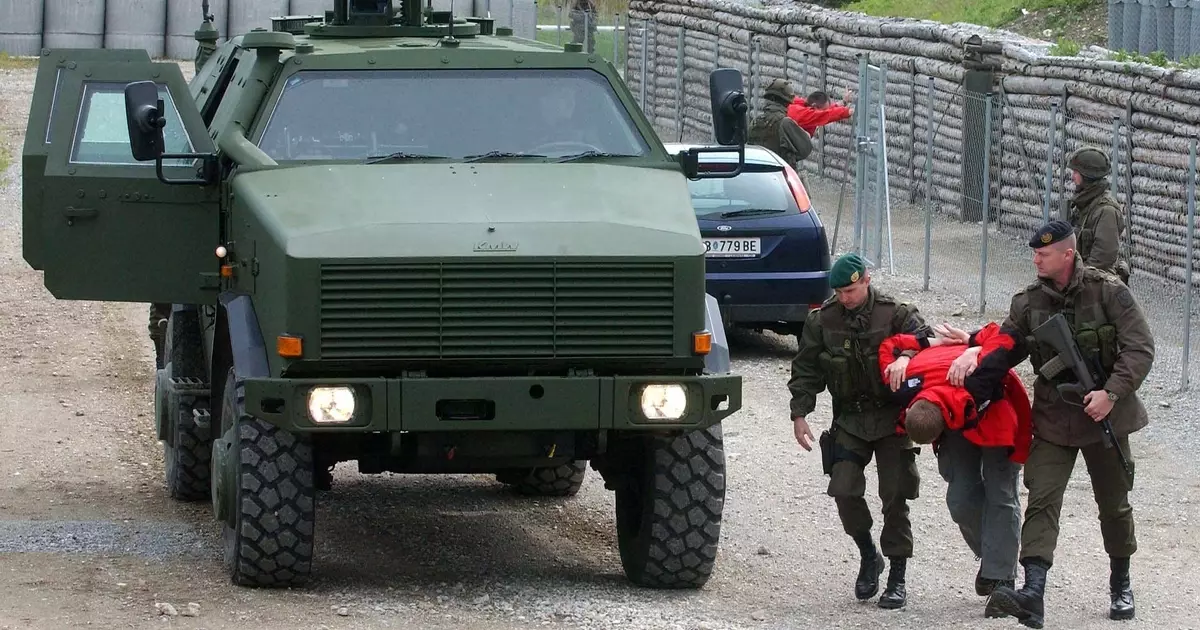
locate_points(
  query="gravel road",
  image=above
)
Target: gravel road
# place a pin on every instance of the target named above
(88, 537)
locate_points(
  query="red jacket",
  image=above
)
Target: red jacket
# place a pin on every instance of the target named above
(809, 118)
(1006, 421)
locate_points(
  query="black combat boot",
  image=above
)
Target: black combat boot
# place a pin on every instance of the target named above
(869, 569)
(894, 595)
(1026, 604)
(1120, 590)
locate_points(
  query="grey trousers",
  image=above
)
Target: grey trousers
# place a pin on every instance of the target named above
(984, 502)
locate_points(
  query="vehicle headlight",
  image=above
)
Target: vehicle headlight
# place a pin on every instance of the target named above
(331, 405)
(664, 402)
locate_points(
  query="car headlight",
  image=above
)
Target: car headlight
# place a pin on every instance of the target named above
(664, 402)
(331, 405)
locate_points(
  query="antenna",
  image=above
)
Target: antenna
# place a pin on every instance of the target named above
(449, 40)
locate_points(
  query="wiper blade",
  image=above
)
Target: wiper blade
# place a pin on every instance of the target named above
(490, 155)
(401, 155)
(592, 154)
(751, 211)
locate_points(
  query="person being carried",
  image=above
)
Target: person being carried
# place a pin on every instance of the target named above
(981, 431)
(817, 110)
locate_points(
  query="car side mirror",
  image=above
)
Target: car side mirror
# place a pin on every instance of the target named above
(145, 118)
(730, 124)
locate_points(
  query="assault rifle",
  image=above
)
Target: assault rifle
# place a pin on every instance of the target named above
(1057, 334)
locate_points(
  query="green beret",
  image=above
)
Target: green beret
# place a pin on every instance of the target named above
(1051, 233)
(847, 270)
(1090, 162)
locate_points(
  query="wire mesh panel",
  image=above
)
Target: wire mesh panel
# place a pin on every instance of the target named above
(870, 182)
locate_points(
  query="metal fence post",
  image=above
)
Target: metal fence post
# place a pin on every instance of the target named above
(860, 158)
(616, 37)
(986, 210)
(645, 46)
(882, 206)
(1050, 162)
(679, 84)
(1191, 240)
(929, 180)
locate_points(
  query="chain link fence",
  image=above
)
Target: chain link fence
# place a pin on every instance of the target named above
(941, 183)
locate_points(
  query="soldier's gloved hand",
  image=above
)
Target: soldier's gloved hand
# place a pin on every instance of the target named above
(895, 373)
(803, 434)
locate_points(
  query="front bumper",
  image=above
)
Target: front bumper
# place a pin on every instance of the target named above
(494, 404)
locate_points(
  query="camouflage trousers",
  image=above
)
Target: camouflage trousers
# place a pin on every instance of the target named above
(158, 330)
(1047, 471)
(583, 26)
(899, 481)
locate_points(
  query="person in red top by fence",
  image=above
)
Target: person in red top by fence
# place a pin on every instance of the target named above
(981, 432)
(817, 110)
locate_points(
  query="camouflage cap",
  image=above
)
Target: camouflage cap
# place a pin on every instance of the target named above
(1090, 162)
(781, 88)
(847, 270)
(1051, 233)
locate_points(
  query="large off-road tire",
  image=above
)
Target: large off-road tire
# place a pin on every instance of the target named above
(560, 481)
(270, 503)
(669, 509)
(187, 445)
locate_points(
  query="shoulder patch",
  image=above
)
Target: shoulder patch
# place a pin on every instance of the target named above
(1124, 297)
(883, 298)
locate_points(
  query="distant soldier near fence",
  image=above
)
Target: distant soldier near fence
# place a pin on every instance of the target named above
(584, 17)
(774, 130)
(1095, 213)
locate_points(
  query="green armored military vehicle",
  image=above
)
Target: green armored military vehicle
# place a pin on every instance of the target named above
(396, 237)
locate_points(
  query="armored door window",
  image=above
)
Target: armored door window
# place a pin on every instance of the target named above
(102, 134)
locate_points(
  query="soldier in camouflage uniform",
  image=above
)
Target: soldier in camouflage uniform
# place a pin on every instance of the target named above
(584, 17)
(1107, 324)
(774, 130)
(1095, 214)
(839, 350)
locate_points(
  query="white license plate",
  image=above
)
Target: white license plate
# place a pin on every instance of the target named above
(748, 247)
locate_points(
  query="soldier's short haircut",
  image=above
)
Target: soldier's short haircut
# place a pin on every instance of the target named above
(923, 422)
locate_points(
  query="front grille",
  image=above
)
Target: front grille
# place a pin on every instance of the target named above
(497, 309)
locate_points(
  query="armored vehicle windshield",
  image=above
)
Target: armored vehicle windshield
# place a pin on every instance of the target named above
(449, 113)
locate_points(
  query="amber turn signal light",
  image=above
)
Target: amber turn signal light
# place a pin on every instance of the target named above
(702, 342)
(289, 347)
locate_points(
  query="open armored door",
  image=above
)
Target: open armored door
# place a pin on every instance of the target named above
(110, 229)
(38, 137)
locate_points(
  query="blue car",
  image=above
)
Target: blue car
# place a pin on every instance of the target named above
(768, 255)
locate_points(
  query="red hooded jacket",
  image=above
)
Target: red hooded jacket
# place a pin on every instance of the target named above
(1006, 421)
(809, 118)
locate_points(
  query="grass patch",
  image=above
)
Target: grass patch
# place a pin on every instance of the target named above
(991, 13)
(1157, 58)
(1065, 47)
(8, 62)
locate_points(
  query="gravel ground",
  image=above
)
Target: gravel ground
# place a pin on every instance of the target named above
(89, 538)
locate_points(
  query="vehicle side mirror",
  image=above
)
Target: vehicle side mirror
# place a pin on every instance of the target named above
(729, 106)
(730, 125)
(145, 118)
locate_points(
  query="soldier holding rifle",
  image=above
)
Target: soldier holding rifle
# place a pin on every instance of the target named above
(1085, 402)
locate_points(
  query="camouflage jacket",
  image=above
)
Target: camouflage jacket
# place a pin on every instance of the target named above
(1109, 325)
(1099, 223)
(773, 130)
(839, 351)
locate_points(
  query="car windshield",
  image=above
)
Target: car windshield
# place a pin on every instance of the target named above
(361, 114)
(752, 193)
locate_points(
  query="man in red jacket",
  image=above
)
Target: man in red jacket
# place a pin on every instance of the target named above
(817, 110)
(981, 432)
